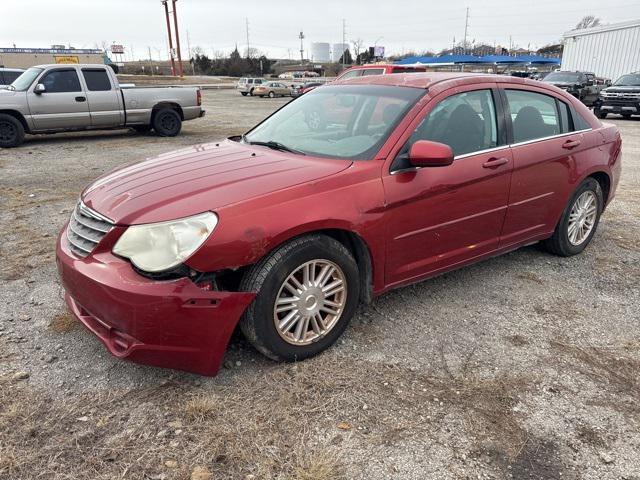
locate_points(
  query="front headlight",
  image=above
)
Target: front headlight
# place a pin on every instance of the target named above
(156, 247)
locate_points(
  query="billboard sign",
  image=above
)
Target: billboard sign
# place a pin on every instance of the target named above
(66, 59)
(117, 49)
(378, 51)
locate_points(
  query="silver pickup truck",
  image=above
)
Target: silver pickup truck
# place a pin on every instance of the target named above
(57, 98)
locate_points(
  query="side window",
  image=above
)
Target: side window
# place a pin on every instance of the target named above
(351, 74)
(579, 121)
(372, 71)
(565, 124)
(59, 81)
(533, 115)
(97, 80)
(465, 121)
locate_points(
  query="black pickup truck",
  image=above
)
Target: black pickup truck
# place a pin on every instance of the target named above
(581, 85)
(622, 97)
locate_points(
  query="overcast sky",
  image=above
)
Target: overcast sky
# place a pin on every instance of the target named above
(274, 25)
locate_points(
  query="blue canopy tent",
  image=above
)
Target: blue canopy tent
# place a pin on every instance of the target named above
(475, 60)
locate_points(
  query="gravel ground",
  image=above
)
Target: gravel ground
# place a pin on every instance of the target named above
(523, 366)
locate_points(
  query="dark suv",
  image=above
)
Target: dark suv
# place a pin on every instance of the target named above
(622, 97)
(581, 85)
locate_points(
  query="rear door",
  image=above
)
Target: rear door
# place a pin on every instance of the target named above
(442, 217)
(545, 146)
(64, 103)
(105, 106)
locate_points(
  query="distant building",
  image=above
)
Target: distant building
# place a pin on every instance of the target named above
(337, 50)
(608, 50)
(320, 52)
(28, 57)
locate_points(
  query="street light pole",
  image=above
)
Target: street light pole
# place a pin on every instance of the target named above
(166, 12)
(175, 23)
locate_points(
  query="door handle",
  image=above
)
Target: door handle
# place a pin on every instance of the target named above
(81, 99)
(495, 162)
(569, 144)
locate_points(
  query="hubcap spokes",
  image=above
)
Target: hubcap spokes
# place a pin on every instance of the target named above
(582, 218)
(310, 302)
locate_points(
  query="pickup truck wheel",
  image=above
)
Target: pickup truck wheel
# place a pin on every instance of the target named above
(579, 220)
(167, 122)
(11, 131)
(600, 114)
(308, 290)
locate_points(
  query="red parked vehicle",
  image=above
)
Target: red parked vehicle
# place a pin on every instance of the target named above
(377, 69)
(286, 229)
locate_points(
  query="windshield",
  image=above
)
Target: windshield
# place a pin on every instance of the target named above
(25, 80)
(346, 121)
(562, 77)
(629, 80)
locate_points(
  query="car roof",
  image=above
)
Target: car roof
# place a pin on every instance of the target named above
(427, 79)
(11, 69)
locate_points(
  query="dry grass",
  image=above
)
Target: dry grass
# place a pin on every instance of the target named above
(612, 367)
(63, 323)
(287, 423)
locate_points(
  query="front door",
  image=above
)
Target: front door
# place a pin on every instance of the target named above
(104, 99)
(441, 217)
(62, 105)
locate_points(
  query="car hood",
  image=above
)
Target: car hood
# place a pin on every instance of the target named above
(200, 178)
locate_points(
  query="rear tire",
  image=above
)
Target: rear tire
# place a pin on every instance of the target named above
(244, 94)
(579, 220)
(11, 131)
(300, 262)
(167, 122)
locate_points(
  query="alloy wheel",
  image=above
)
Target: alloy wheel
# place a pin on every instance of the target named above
(582, 218)
(310, 302)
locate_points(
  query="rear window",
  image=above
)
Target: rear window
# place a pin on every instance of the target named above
(9, 77)
(97, 80)
(533, 115)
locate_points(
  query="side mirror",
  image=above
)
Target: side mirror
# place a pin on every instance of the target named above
(40, 88)
(425, 153)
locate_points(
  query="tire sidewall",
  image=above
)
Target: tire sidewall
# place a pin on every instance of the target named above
(590, 184)
(161, 130)
(261, 311)
(18, 138)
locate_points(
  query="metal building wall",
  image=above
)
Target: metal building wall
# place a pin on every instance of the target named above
(608, 51)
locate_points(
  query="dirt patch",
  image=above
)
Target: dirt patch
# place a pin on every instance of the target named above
(63, 323)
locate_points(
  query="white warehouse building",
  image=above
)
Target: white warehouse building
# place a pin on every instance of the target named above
(320, 52)
(337, 51)
(608, 50)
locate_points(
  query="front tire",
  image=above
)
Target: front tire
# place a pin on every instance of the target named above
(600, 114)
(272, 95)
(308, 290)
(167, 122)
(579, 220)
(11, 131)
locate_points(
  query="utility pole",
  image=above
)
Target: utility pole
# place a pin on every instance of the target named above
(301, 37)
(466, 28)
(166, 12)
(175, 23)
(247, 27)
(150, 61)
(344, 41)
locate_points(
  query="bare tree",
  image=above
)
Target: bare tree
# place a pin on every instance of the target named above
(588, 21)
(357, 46)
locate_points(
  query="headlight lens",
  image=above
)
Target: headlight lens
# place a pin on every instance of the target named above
(156, 247)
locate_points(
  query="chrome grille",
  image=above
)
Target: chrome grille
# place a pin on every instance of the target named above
(85, 230)
(621, 95)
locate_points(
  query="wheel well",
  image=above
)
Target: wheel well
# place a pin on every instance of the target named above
(230, 279)
(18, 116)
(171, 105)
(605, 183)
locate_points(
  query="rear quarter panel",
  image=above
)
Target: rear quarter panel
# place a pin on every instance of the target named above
(139, 101)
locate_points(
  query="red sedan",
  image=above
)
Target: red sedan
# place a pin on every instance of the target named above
(286, 229)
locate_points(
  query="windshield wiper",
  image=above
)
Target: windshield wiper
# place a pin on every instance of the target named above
(275, 146)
